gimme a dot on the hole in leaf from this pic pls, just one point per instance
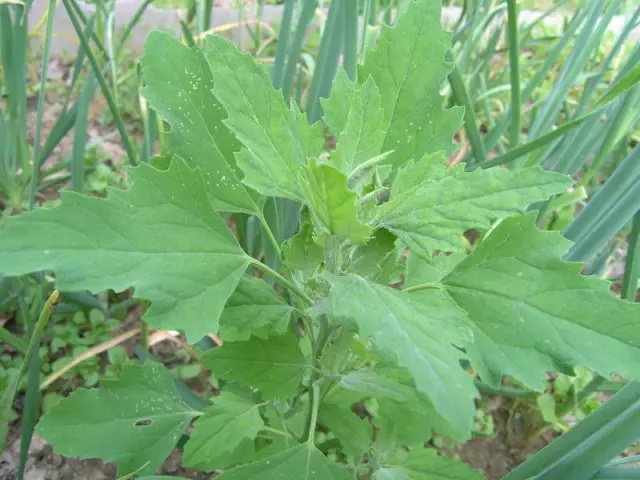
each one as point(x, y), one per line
point(143, 422)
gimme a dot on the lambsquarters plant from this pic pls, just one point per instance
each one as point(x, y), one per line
point(331, 334)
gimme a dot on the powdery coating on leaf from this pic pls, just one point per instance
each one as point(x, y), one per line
point(220, 430)
point(433, 212)
point(161, 237)
point(333, 206)
point(303, 462)
point(178, 85)
point(408, 68)
point(533, 312)
point(277, 138)
point(418, 331)
point(275, 366)
point(135, 419)
point(354, 114)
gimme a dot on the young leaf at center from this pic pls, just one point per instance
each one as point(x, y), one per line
point(332, 205)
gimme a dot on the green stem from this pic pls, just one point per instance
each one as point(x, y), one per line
point(43, 319)
point(368, 164)
point(277, 432)
point(7, 397)
point(271, 236)
point(285, 282)
point(422, 286)
point(144, 335)
point(314, 392)
point(314, 406)
point(503, 391)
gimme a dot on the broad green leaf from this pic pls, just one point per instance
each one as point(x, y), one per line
point(332, 205)
point(407, 423)
point(301, 252)
point(232, 419)
point(337, 353)
point(533, 312)
point(418, 172)
point(161, 237)
point(426, 464)
point(134, 420)
point(421, 270)
point(358, 119)
point(254, 309)
point(178, 85)
point(408, 66)
point(411, 421)
point(303, 461)
point(417, 330)
point(277, 139)
point(275, 366)
point(370, 383)
point(337, 107)
point(376, 260)
point(355, 433)
point(433, 215)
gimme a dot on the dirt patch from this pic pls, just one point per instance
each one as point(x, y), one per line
point(513, 442)
point(43, 464)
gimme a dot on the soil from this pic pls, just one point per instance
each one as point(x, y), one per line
point(511, 444)
point(43, 464)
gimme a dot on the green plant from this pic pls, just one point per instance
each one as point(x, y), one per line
point(331, 373)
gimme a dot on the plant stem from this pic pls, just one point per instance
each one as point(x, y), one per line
point(144, 335)
point(277, 432)
point(43, 319)
point(503, 391)
point(314, 391)
point(271, 236)
point(422, 286)
point(285, 282)
point(8, 395)
point(314, 405)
